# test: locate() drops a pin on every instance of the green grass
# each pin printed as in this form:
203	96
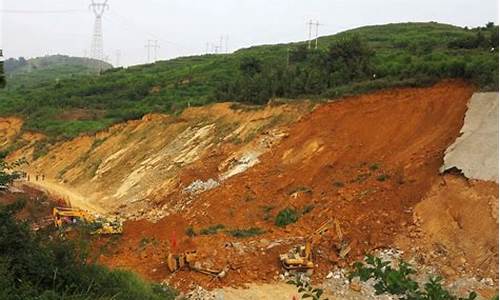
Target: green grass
404	54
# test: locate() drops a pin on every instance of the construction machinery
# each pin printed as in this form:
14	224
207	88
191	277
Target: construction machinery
300	258
69	215
188	260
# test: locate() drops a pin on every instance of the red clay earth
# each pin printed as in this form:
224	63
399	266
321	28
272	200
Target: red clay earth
366	160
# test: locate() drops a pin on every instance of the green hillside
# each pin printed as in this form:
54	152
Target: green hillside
33	72
354	61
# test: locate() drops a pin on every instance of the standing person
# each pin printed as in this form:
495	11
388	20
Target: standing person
43	177
28	177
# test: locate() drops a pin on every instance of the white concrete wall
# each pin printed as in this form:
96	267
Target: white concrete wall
475	152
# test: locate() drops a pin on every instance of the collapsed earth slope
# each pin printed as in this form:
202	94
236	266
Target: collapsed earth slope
367	160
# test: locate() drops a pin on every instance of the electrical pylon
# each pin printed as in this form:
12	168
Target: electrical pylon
97	45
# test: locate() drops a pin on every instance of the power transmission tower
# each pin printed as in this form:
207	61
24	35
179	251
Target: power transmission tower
152	44
97	45
155	48
148	47
317	26
310	24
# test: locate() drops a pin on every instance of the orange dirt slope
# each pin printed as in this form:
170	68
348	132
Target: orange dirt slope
366	160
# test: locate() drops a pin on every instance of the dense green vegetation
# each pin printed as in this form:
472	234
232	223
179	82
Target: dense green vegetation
34	266
399	281
27	73
354	61
8	172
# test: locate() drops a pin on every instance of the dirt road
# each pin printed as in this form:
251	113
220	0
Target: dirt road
70	196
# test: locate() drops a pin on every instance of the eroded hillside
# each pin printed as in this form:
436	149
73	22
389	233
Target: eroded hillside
139	161
372	161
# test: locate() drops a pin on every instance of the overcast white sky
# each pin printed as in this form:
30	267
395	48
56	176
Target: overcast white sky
37	27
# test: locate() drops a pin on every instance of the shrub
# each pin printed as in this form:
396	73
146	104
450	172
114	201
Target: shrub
382	177
38	266
244	233
398	281
214	229
285	217
190	231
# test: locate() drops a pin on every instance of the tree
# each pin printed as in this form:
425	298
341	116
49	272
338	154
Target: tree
494	37
7	171
352	57
249	66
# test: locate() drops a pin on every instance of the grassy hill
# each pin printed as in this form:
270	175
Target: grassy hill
34	72
354	61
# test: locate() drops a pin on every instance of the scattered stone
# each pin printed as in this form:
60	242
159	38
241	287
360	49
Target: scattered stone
200	186
355	286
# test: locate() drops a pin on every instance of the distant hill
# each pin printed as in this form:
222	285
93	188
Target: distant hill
34	71
350	62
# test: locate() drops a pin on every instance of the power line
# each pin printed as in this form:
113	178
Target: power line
130	24
20	11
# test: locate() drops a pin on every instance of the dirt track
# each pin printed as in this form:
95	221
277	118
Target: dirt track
71	197
366	160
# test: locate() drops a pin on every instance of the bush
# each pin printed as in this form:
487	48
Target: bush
244	233
190	231
214	229
285	217
398	281
382	177
36	266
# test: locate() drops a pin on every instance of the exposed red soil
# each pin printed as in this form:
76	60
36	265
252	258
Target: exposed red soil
38	206
366	160
457	227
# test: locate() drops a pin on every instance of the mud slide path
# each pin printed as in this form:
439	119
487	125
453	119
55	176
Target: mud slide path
72	197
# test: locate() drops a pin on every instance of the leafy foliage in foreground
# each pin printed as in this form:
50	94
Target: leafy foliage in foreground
8	171
351	62
307	290
398	281
36	266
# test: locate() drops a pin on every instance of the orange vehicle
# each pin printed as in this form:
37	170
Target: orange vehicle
301	257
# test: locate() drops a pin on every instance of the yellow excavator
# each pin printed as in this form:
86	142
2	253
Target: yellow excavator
63	215
188	260
300	258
